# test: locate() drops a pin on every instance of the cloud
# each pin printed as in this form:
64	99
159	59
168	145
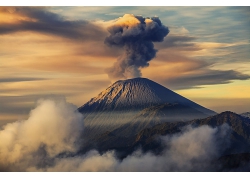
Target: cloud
19	106
17	79
50	138
181	42
39	19
239	105
53	127
192	46
19	97
204	77
177	71
77	55
48	42
194	149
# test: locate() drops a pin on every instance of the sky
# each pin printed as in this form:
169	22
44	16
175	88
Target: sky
60	51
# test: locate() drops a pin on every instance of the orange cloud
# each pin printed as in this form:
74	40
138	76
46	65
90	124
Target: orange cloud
237	105
10	16
42	53
40	19
47	53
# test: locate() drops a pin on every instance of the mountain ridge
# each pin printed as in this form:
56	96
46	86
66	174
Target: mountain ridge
147	139
246	114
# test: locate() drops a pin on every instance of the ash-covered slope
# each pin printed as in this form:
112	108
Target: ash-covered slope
122	101
137	93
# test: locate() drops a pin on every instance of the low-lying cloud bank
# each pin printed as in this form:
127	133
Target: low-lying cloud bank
53	127
192	150
49	140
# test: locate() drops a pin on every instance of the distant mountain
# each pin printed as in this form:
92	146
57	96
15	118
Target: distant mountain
234	162
240	136
147	139
134	113
138	101
246	114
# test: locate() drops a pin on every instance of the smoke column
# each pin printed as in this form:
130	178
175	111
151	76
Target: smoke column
135	34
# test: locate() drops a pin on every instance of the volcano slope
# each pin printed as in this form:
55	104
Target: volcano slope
133	114
138	103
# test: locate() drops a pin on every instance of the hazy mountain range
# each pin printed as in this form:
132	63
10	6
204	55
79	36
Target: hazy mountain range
133	125
136	113
246	114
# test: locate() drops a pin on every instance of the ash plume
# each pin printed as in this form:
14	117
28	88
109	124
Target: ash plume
135	34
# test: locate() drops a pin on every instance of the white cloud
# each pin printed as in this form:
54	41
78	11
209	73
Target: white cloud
193	149
53	127
50	138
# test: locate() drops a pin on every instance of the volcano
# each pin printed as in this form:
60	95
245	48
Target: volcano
138	101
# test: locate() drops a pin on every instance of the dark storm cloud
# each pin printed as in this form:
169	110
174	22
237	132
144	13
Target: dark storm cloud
207	77
50	23
135	34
